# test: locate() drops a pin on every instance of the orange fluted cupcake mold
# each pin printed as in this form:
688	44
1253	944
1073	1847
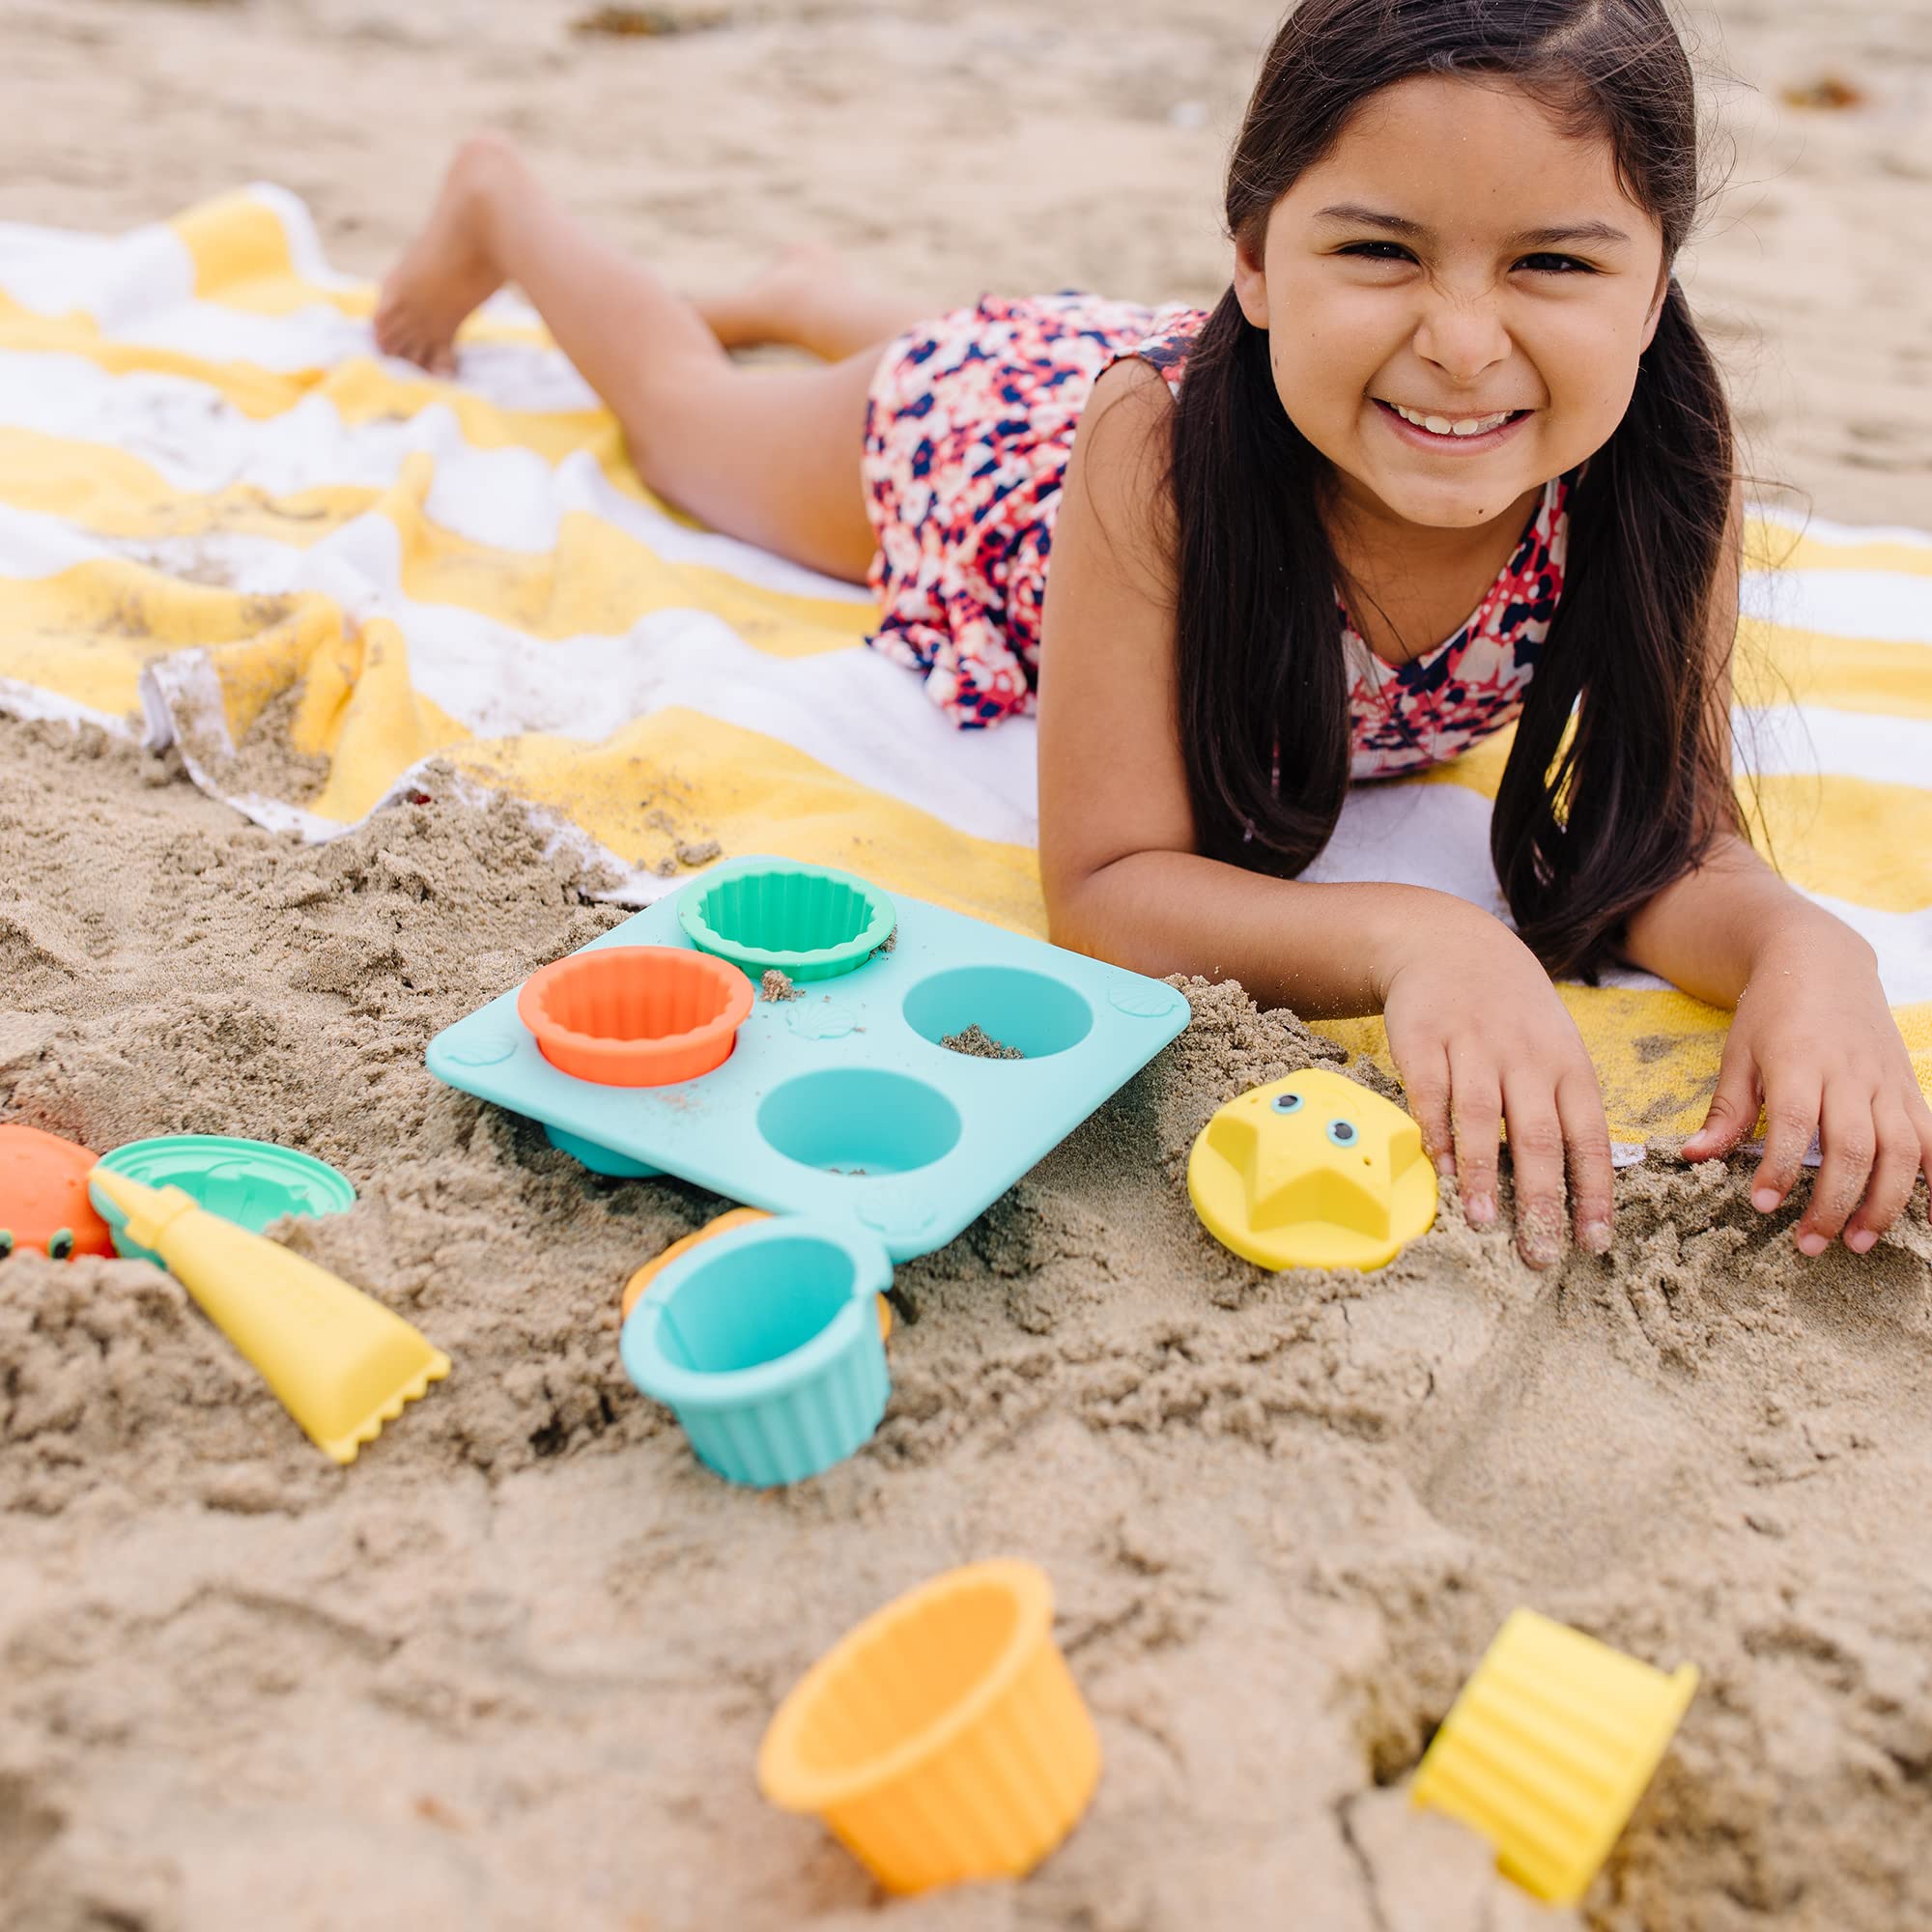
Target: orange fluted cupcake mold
636	1015
944	1739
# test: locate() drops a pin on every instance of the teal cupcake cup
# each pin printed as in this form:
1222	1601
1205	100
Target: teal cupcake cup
764	1341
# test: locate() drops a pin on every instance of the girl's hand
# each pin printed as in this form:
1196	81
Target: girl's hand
1480	1038
1816	1045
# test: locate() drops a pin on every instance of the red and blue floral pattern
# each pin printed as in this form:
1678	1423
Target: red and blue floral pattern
969	425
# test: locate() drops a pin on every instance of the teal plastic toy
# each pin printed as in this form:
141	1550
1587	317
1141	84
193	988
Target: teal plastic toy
249	1182
847	1100
765	1341
807	921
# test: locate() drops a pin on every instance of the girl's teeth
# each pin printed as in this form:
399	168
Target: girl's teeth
1442	426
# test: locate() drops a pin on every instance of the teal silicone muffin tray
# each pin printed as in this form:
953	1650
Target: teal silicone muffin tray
841	1102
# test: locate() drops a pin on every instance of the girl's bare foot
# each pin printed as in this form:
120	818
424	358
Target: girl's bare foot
450	267
777	303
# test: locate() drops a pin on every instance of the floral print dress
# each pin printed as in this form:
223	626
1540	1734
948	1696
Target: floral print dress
969	423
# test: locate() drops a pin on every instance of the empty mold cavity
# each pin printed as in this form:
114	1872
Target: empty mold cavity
807	923
860	1121
1035	1013
755	1304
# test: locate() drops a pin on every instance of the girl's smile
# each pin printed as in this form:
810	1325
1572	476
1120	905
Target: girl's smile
1464	435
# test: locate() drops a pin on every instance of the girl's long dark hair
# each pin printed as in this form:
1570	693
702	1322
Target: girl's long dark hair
1618	758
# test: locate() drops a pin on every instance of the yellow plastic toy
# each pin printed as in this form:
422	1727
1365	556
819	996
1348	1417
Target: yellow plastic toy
1313	1171
339	1362
944	1739
733	1217
1548	1750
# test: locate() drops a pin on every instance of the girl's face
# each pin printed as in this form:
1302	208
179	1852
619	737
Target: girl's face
1456	297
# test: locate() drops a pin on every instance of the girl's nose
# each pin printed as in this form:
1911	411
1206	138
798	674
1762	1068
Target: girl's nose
1463	338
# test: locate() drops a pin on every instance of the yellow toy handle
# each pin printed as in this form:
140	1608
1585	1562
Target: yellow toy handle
339	1361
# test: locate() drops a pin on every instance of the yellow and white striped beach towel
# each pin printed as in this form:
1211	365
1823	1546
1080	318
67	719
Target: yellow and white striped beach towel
228	524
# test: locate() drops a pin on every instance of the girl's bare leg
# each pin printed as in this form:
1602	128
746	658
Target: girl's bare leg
808	299
770	455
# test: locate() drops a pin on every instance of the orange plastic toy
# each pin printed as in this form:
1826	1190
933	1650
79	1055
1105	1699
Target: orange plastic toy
944	1739
636	1015
43	1198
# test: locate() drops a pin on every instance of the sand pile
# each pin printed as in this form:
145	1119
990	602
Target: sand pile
511	1670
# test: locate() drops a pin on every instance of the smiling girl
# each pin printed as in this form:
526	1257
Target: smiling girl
1448	454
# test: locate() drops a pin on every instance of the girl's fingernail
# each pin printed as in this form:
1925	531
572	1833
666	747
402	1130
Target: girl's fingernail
1445	1166
1597	1238
1481	1210
1813	1245
1765	1198
1861	1239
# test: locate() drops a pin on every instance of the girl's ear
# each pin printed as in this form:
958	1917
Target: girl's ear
1251	283
1650	321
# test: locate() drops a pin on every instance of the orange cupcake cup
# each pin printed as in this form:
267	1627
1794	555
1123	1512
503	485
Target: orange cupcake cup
636	1015
944	1739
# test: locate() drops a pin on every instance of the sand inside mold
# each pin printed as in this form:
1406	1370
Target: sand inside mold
512	1668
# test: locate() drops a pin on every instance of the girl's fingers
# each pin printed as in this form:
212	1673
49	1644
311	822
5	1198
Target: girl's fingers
1425	1087
1580	1103
1792	1113
1536	1156
1476	1119
1848	1140
1899	1154
1734	1106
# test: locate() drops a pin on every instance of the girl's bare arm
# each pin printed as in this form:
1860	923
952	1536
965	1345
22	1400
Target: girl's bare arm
1477	1031
1121	878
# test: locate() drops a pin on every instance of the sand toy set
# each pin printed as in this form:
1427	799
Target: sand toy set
649	1050
868	1077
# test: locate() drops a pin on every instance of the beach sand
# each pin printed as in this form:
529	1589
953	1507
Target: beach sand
512	1668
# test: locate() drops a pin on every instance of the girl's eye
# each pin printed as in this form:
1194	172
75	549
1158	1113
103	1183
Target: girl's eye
1379	251
1557	265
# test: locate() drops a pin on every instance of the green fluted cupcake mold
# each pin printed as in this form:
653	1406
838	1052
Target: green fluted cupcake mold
805	922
